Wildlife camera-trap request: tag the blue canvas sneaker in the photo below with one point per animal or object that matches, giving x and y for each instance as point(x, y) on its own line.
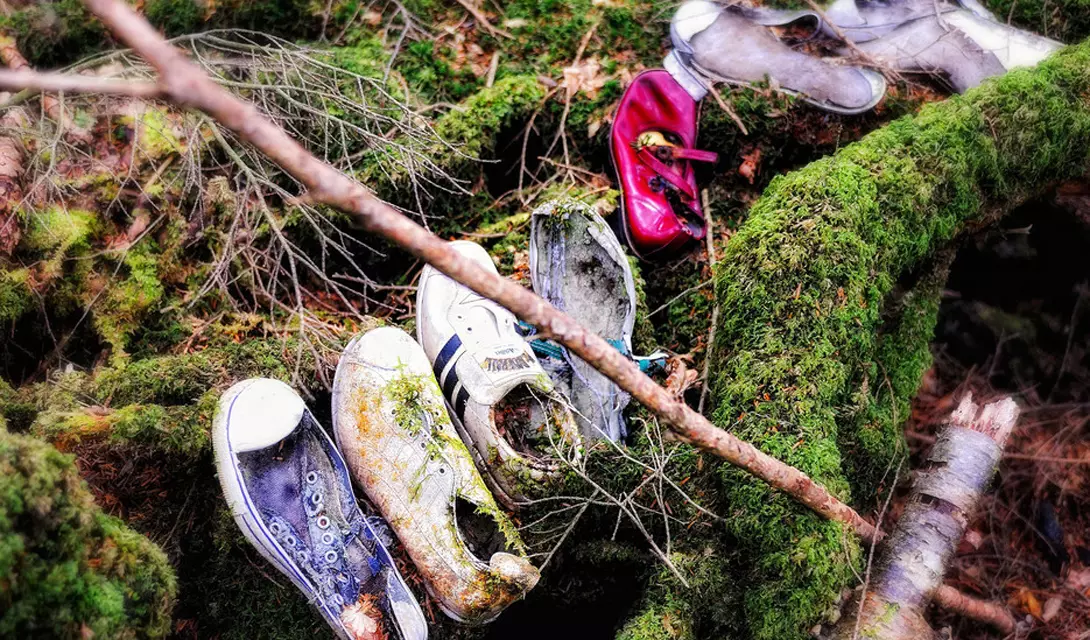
point(289, 491)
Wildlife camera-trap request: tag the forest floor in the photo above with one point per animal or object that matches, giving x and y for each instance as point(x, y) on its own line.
point(135, 294)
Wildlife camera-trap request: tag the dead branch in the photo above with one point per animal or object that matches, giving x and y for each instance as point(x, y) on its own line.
point(24, 78)
point(914, 558)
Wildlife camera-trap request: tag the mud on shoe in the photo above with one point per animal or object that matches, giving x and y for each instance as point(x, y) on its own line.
point(577, 264)
point(500, 399)
point(289, 491)
point(402, 449)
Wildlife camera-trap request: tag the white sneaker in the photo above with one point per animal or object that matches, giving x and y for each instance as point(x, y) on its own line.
point(499, 397)
point(290, 494)
point(389, 421)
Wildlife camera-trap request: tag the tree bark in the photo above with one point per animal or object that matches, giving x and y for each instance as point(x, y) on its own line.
point(945, 493)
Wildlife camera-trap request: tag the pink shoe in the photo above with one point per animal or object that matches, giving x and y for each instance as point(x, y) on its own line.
point(653, 138)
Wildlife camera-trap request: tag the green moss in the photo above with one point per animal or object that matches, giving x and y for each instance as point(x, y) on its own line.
point(126, 305)
point(803, 284)
point(70, 570)
point(16, 296)
point(1063, 20)
point(55, 233)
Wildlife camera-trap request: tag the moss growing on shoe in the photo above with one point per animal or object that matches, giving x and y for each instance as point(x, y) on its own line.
point(70, 570)
point(804, 282)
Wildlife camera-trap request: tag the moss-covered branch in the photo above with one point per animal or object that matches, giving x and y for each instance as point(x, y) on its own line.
point(802, 291)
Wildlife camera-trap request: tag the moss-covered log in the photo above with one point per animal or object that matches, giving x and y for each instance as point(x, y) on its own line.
point(803, 285)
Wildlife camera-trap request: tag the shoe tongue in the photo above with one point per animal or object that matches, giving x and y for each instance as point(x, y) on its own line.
point(506, 366)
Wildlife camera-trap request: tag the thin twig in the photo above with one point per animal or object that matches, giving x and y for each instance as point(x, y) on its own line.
point(715, 308)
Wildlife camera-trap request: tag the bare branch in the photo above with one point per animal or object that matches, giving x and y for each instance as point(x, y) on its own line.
point(66, 83)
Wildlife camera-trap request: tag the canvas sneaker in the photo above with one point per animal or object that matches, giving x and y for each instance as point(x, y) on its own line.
point(577, 264)
point(289, 491)
point(402, 449)
point(500, 399)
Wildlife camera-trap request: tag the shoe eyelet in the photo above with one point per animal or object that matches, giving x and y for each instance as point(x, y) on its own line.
point(442, 469)
point(274, 528)
point(331, 556)
point(323, 522)
point(423, 445)
point(338, 599)
point(302, 556)
point(312, 477)
point(327, 538)
point(341, 578)
point(316, 498)
point(290, 540)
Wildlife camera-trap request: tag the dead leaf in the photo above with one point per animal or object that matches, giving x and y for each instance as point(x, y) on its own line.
point(586, 76)
point(1052, 607)
point(515, 23)
point(1079, 580)
point(751, 165)
point(1026, 601)
point(681, 377)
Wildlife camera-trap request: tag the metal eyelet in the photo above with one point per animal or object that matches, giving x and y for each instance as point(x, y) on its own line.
point(442, 469)
point(274, 527)
point(327, 538)
point(316, 498)
point(312, 477)
point(657, 184)
point(302, 556)
point(323, 522)
point(290, 540)
point(331, 556)
point(338, 599)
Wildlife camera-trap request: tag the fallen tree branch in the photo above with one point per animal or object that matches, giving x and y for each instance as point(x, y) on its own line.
point(18, 79)
point(915, 557)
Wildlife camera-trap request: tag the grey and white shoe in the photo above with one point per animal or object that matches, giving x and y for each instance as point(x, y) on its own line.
point(577, 264)
point(289, 492)
point(402, 449)
point(715, 43)
point(500, 399)
point(959, 45)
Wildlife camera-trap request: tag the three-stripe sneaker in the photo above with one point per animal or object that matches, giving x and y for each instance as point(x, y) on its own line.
point(289, 491)
point(500, 399)
point(389, 420)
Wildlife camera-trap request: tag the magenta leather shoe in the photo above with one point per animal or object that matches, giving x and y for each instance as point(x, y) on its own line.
point(652, 142)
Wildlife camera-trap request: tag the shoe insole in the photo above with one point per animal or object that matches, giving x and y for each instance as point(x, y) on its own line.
point(738, 50)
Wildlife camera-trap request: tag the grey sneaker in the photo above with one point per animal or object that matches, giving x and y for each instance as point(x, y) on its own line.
point(733, 45)
point(956, 44)
point(577, 264)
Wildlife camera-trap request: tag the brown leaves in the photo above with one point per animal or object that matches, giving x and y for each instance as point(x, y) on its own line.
point(585, 76)
point(751, 165)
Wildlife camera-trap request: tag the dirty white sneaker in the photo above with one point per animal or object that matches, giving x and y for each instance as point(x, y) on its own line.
point(389, 421)
point(290, 494)
point(499, 397)
point(577, 264)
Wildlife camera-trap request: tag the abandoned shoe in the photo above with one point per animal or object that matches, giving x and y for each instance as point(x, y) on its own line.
point(290, 494)
point(500, 399)
point(728, 44)
point(577, 264)
point(960, 46)
point(389, 421)
point(653, 146)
